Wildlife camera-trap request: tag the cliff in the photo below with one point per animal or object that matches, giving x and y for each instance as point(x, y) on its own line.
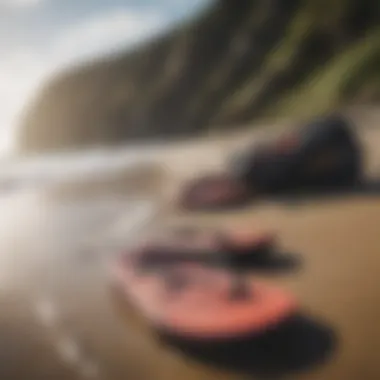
point(235, 63)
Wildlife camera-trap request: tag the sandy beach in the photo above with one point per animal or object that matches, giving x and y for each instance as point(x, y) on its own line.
point(60, 320)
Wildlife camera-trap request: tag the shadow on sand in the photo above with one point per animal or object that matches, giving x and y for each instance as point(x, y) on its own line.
point(370, 188)
point(298, 344)
point(274, 262)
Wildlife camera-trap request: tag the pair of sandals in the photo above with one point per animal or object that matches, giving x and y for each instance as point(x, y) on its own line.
point(185, 300)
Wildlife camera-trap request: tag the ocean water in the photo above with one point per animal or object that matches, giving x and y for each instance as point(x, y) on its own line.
point(44, 169)
point(54, 253)
point(81, 222)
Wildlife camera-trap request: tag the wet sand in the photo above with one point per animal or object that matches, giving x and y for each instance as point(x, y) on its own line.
point(60, 320)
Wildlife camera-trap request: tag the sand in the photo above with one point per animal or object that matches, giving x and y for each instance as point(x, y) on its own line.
point(60, 320)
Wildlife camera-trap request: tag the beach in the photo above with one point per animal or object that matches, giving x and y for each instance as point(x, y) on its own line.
point(61, 320)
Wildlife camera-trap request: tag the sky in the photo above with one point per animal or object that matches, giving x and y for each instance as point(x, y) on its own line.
point(40, 37)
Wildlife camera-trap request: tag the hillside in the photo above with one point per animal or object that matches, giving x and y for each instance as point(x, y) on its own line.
point(235, 63)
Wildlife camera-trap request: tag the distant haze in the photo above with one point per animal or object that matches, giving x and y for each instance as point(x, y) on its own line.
point(38, 37)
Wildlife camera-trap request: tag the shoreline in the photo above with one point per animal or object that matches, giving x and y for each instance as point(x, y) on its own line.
point(46, 238)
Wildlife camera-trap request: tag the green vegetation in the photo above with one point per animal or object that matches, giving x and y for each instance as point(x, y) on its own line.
point(338, 82)
point(235, 63)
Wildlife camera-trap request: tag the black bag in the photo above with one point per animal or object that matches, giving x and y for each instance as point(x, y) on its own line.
point(322, 153)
